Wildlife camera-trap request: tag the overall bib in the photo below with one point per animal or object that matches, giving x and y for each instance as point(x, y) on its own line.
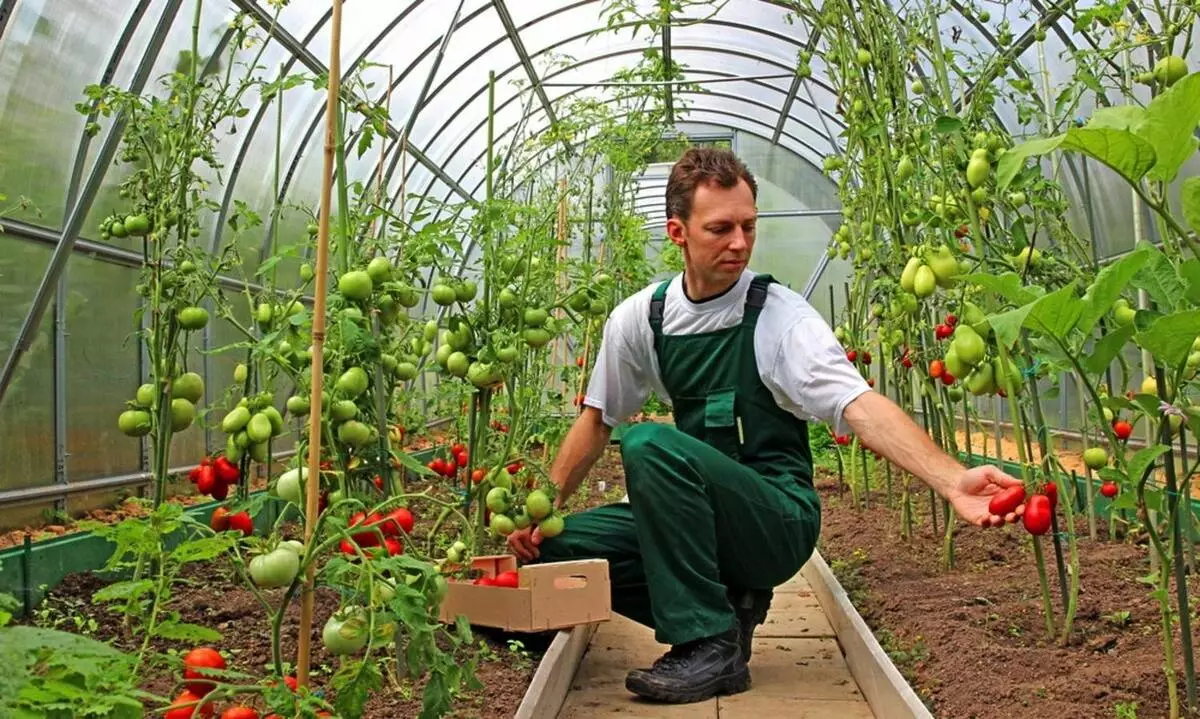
point(722, 501)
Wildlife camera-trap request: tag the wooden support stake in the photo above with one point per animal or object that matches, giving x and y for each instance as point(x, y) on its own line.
point(313, 483)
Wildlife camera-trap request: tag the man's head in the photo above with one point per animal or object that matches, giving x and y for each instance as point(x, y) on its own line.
point(711, 216)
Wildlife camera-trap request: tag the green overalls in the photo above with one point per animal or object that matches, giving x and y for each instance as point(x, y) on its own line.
point(722, 501)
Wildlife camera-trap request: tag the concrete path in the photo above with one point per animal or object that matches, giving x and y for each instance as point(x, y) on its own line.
point(797, 670)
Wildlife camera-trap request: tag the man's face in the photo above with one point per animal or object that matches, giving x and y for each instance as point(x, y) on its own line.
point(718, 237)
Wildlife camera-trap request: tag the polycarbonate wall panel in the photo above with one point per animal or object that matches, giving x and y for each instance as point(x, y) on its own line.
point(102, 367)
point(27, 410)
point(789, 248)
point(49, 52)
point(175, 55)
point(802, 185)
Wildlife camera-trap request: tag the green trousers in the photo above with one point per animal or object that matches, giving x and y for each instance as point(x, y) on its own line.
point(698, 525)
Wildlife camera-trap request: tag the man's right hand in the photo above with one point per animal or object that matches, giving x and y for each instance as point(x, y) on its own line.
point(524, 543)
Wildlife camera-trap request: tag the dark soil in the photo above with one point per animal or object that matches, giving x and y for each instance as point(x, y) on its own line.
point(972, 640)
point(212, 596)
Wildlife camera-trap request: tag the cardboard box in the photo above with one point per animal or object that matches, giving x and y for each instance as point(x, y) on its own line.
point(554, 595)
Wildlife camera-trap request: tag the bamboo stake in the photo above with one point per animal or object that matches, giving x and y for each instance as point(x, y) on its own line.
point(313, 485)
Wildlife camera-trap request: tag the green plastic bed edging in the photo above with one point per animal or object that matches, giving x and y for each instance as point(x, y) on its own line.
point(28, 572)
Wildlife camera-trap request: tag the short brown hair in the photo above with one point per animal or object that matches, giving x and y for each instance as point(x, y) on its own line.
point(698, 166)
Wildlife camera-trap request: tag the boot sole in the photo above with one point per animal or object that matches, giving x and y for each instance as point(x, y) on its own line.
point(724, 685)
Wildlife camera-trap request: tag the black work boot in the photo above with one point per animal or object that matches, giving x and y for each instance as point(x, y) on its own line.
point(693, 672)
point(751, 607)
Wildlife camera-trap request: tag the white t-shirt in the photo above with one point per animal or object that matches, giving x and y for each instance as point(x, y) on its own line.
point(799, 360)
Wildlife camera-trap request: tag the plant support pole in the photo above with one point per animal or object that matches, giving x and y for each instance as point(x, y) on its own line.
point(313, 483)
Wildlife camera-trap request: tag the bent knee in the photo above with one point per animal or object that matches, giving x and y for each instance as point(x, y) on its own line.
point(644, 439)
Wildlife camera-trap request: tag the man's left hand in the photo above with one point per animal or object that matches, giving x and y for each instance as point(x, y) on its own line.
point(974, 489)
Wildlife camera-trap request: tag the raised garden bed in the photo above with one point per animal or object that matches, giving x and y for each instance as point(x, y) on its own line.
point(972, 640)
point(214, 597)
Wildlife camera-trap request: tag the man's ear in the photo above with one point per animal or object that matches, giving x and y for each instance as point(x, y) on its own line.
point(676, 231)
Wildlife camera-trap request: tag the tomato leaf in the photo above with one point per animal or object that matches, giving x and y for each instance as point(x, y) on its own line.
point(1007, 325)
point(1160, 280)
point(1106, 349)
point(946, 125)
point(1141, 461)
point(184, 632)
point(1112, 474)
point(1056, 313)
point(1007, 285)
point(127, 590)
point(1190, 272)
point(1121, 117)
point(1011, 162)
point(1109, 285)
point(1189, 198)
point(202, 549)
point(1170, 338)
point(1168, 124)
point(1126, 500)
point(1122, 150)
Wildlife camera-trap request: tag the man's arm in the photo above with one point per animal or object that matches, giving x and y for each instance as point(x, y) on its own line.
point(582, 447)
point(888, 430)
point(885, 428)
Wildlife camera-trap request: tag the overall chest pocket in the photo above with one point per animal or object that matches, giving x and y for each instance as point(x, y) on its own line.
point(712, 418)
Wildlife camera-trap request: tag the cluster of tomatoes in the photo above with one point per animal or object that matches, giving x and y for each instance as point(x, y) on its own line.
point(507, 579)
point(195, 664)
point(945, 329)
point(448, 467)
point(854, 355)
point(1038, 513)
point(214, 477)
point(223, 520)
point(394, 525)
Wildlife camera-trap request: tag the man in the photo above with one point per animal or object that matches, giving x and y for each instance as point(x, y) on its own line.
point(721, 508)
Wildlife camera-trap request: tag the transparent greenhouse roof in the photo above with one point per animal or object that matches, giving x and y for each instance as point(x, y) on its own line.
point(431, 62)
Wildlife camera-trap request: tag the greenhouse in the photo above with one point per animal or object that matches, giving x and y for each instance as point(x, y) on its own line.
point(344, 368)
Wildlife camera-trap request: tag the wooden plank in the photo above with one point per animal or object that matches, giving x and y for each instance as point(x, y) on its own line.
point(546, 693)
point(880, 682)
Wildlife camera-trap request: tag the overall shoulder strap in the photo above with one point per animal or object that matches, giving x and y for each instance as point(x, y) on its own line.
point(756, 297)
point(657, 300)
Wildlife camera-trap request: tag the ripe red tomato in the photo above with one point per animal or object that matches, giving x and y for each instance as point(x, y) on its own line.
point(227, 471)
point(514, 468)
point(937, 368)
point(870, 381)
point(451, 468)
point(201, 658)
point(206, 480)
point(1037, 514)
point(396, 520)
point(292, 683)
point(241, 522)
point(852, 355)
point(1109, 489)
point(906, 362)
point(219, 520)
point(961, 232)
point(239, 713)
point(951, 320)
point(458, 447)
point(578, 361)
point(187, 712)
point(220, 492)
point(347, 547)
point(507, 579)
point(478, 475)
point(1007, 500)
point(394, 546)
point(866, 357)
point(461, 458)
point(194, 473)
point(1122, 429)
point(947, 378)
point(484, 582)
point(438, 465)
